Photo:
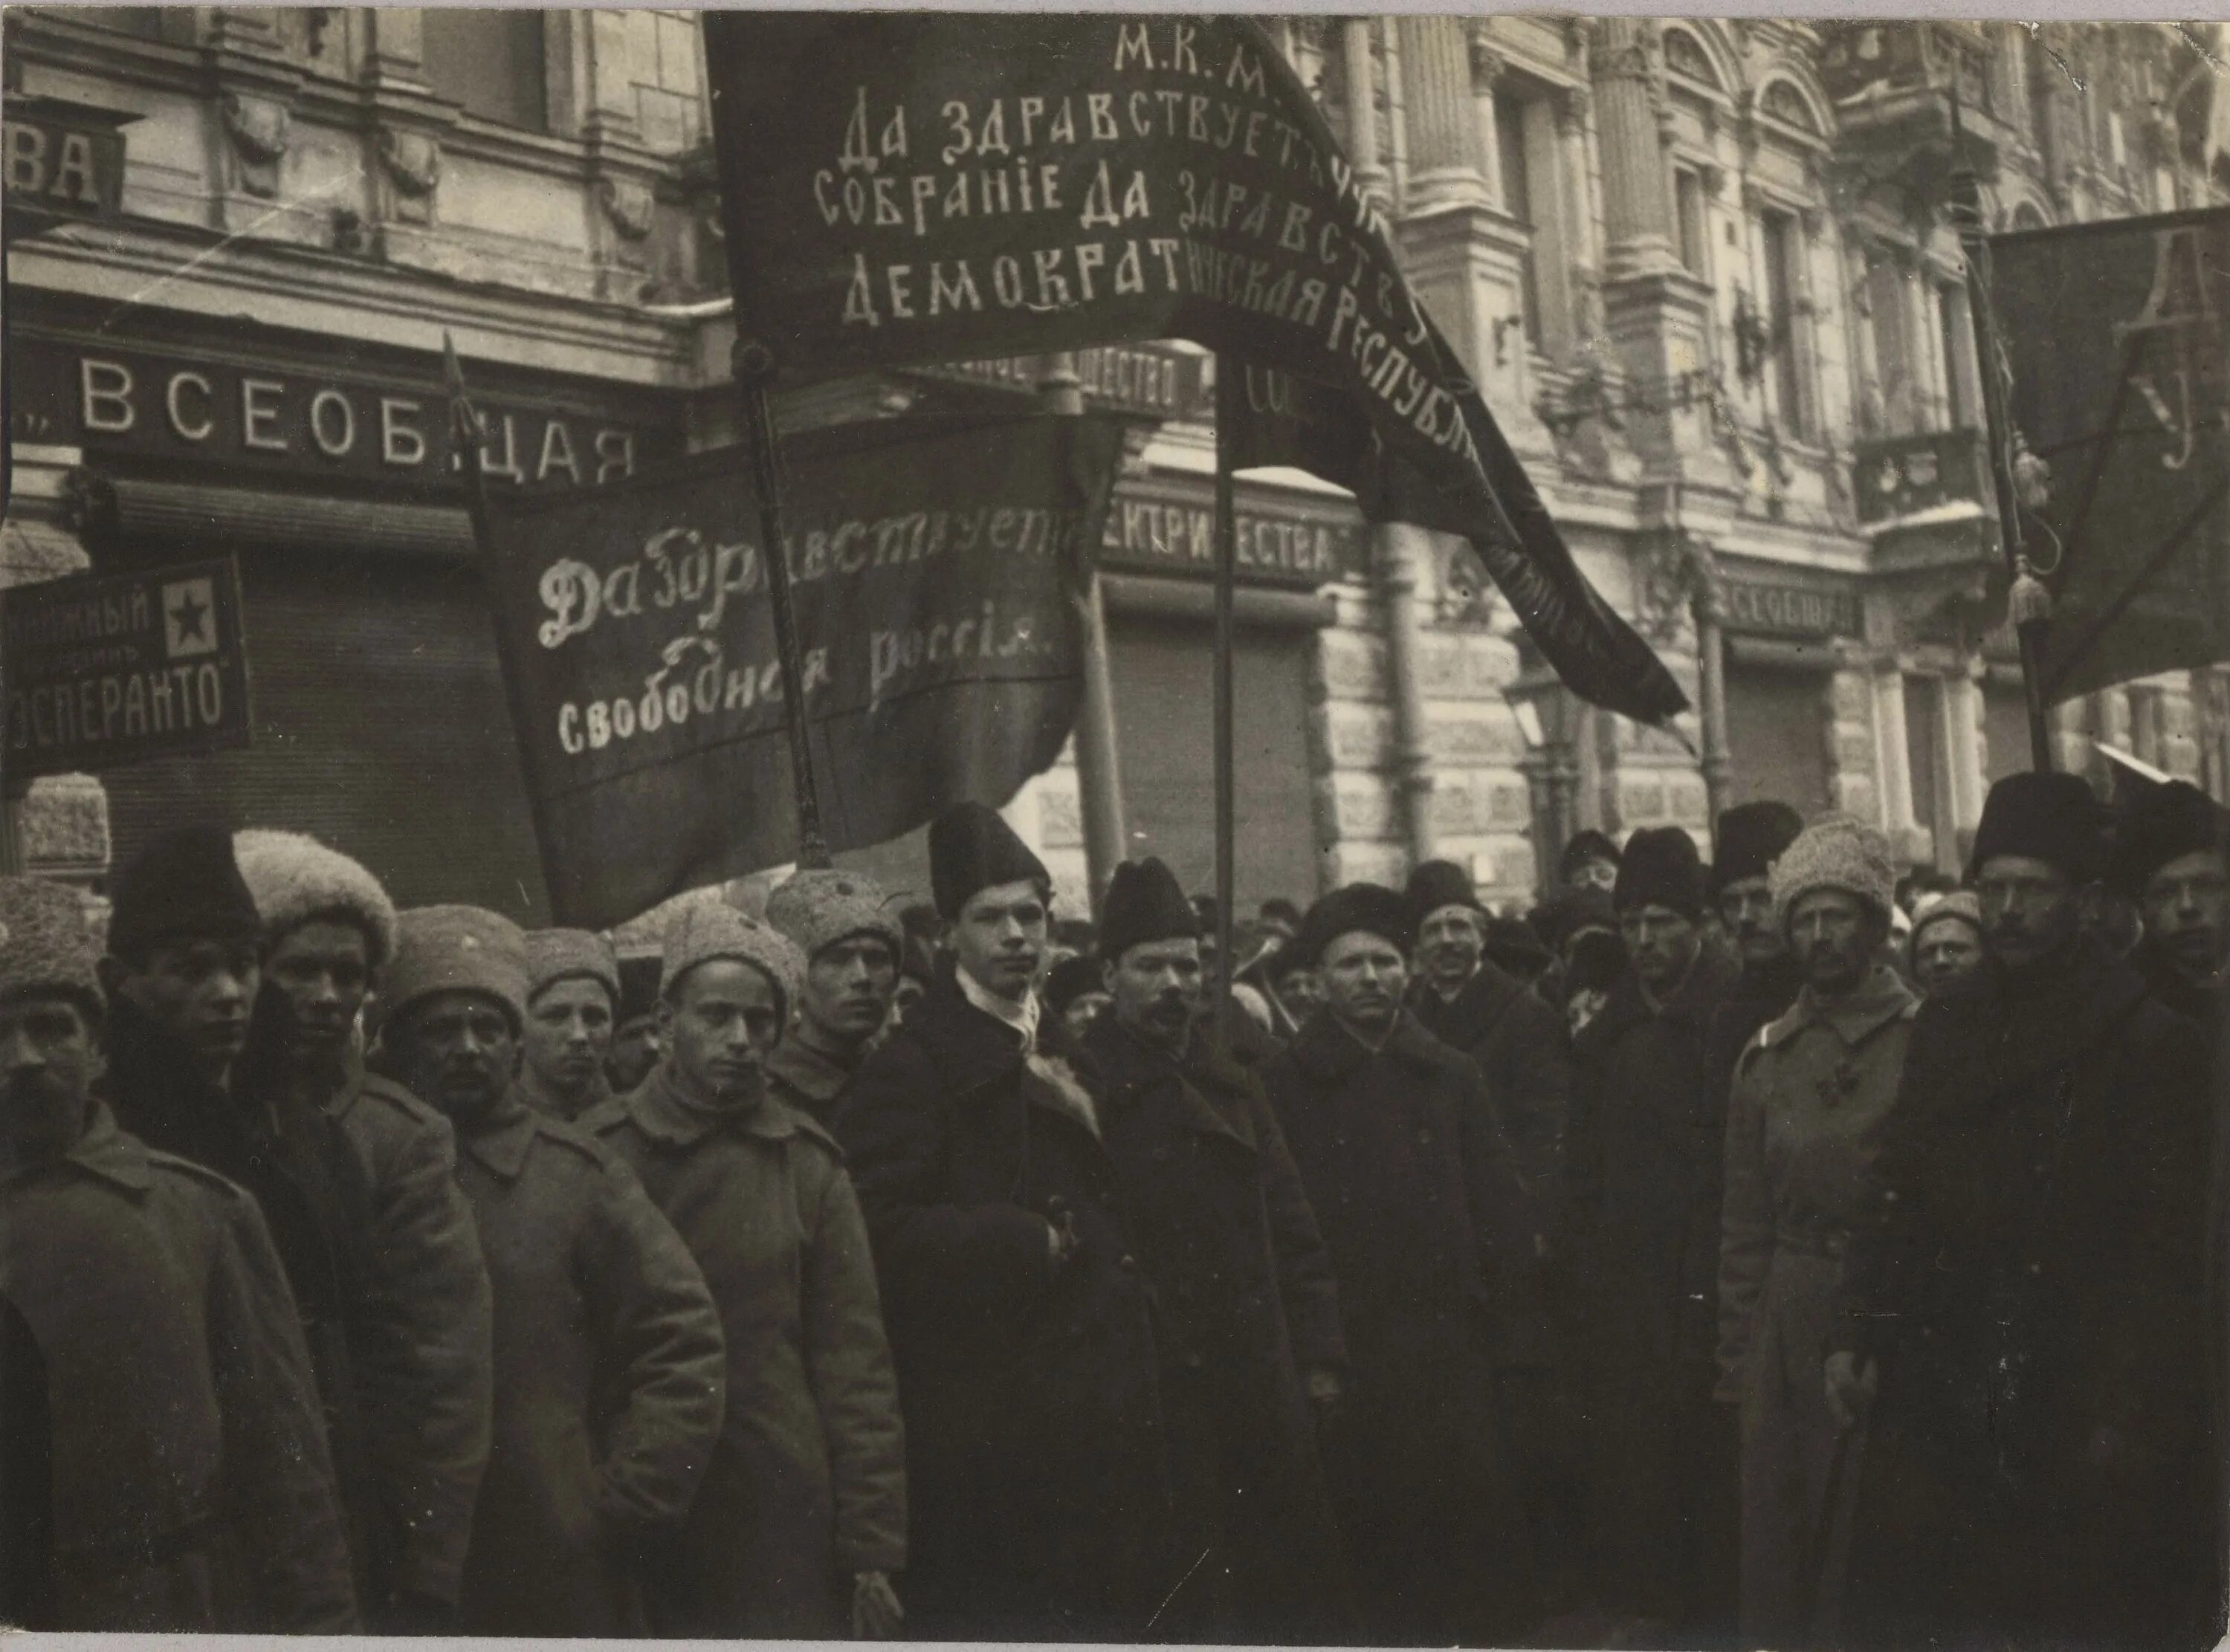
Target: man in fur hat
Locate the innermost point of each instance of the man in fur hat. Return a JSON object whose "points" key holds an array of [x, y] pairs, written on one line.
{"points": [[190, 1485], [1946, 943], [1251, 1343], [2021, 1303], [572, 998], [1399, 1152], [608, 1359], [1810, 1093], [2169, 857], [1642, 1252], [801, 1521], [421, 1345], [1019, 1313], [1751, 838], [851, 940]]}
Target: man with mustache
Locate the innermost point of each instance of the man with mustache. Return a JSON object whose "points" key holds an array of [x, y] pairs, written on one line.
{"points": [[1751, 836], [187, 1482], [801, 1520], [181, 973], [1400, 1155], [1020, 1315], [1251, 1347], [1810, 1093], [607, 1353], [1642, 1168], [2021, 1306], [851, 940], [420, 1340], [572, 997], [2172, 856]]}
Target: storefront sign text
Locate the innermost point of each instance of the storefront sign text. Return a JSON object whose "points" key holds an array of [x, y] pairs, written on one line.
{"points": [[1791, 610], [1166, 533]]}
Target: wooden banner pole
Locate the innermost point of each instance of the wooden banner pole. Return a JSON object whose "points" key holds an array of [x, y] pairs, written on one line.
{"points": [[1227, 824], [755, 370]]}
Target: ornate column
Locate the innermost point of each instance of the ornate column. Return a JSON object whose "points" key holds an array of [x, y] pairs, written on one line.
{"points": [[1442, 124], [1638, 217], [1486, 67], [1359, 76]]}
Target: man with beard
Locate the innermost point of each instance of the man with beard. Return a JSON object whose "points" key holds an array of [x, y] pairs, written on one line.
{"points": [[607, 1353], [1751, 838], [802, 1518], [1642, 1168], [572, 997], [1021, 1319], [1250, 1340], [842, 924], [418, 1340], [2169, 857], [187, 1486], [634, 1048], [2022, 1288], [1398, 1151], [1810, 1093]]}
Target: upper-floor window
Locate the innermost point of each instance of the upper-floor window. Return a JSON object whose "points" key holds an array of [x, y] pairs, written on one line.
{"points": [[1513, 158], [1784, 249], [492, 59], [1688, 221]]}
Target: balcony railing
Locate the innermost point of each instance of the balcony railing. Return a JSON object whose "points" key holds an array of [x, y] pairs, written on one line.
{"points": [[1904, 476]]}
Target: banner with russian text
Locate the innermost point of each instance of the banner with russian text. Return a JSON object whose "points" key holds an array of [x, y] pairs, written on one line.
{"points": [[936, 567], [2114, 338], [901, 188]]}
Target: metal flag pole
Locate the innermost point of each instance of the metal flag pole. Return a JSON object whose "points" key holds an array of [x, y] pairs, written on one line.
{"points": [[755, 370], [1227, 793], [2028, 605]]}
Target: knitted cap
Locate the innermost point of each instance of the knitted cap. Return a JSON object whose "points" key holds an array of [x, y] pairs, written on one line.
{"points": [[2160, 823], [2055, 817], [44, 944], [183, 884], [970, 848], [1144, 902], [1372, 909], [1436, 883], [553, 956], [818, 908], [1751, 838], [704, 930], [1661, 868], [294, 878], [457, 949], [1958, 906], [1585, 845], [1835, 851]]}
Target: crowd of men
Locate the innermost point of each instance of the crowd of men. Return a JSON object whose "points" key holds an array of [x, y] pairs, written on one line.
{"points": [[1776, 1252]]}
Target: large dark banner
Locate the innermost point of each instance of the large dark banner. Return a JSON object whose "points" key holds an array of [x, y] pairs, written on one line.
{"points": [[907, 189], [935, 568], [2113, 334]]}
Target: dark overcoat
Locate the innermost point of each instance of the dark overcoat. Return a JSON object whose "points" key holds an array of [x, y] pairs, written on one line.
{"points": [[807, 1487], [1400, 1155], [1211, 1194], [1643, 1165], [610, 1380], [191, 1489], [2028, 1274], [1038, 1475]]}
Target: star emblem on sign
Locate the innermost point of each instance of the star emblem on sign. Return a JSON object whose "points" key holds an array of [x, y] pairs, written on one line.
{"points": [[189, 617]]}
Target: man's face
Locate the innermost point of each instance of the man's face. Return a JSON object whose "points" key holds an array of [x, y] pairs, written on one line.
{"points": [[634, 1052], [911, 989], [1746, 908], [1302, 993], [1154, 988], [2187, 906], [1083, 1010], [49, 1057], [1449, 942], [1000, 937], [848, 987], [568, 1032], [1834, 935], [723, 1019], [1363, 977], [196, 990], [1595, 873], [456, 1051], [1661, 944], [1948, 951], [323, 971], [2030, 911]]}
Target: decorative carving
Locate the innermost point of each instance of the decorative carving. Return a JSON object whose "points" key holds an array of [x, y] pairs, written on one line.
{"points": [[260, 129], [1785, 103], [1571, 105], [1679, 578], [1487, 61], [410, 162], [1686, 57], [1713, 177], [629, 202]]}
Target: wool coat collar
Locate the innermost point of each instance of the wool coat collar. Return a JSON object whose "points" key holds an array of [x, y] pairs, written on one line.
{"points": [[1123, 1066], [666, 1116]]}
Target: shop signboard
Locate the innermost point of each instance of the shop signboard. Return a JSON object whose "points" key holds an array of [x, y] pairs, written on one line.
{"points": [[1777, 609], [104, 669], [1165, 527], [61, 159]]}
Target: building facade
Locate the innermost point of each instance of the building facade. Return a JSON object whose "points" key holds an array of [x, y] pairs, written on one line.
{"points": [[1705, 272]]}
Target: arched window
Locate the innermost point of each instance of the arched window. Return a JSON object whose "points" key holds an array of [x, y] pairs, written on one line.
{"points": [[1686, 57], [1786, 104]]}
